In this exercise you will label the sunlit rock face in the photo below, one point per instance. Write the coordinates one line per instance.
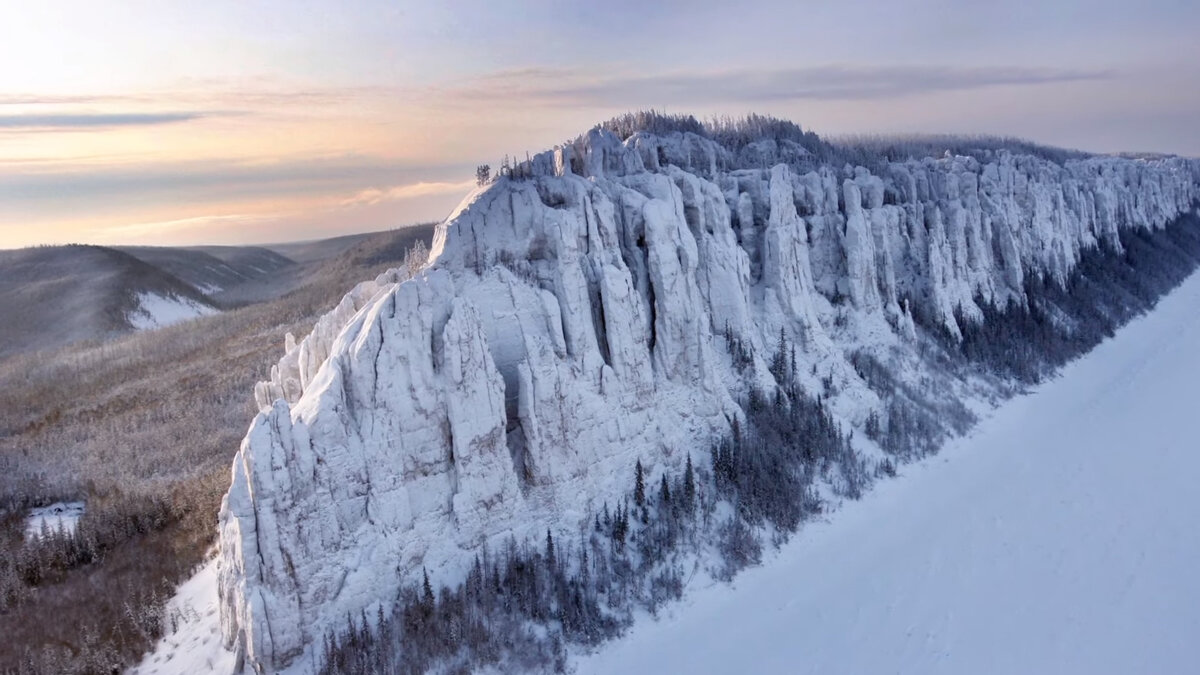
(574, 320)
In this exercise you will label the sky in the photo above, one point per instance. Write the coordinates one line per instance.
(232, 122)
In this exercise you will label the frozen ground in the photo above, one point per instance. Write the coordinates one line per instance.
(1061, 536)
(58, 516)
(157, 311)
(195, 645)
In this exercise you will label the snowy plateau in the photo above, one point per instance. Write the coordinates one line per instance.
(574, 319)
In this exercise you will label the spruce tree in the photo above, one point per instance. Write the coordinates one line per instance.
(639, 486)
(779, 361)
(689, 486)
(428, 590)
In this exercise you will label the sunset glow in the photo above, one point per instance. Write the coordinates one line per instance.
(227, 122)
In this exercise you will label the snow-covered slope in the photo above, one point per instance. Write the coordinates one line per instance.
(574, 321)
(156, 311)
(1058, 537)
(58, 295)
(192, 644)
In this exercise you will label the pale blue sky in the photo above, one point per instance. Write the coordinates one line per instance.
(255, 121)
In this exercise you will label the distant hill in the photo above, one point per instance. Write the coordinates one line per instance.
(372, 248)
(318, 259)
(53, 296)
(59, 295)
(212, 269)
(319, 249)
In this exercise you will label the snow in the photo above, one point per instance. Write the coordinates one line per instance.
(1060, 536)
(195, 646)
(58, 516)
(301, 360)
(156, 311)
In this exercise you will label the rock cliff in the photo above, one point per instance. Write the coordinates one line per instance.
(574, 318)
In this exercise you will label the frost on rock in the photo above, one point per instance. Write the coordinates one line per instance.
(573, 322)
(300, 362)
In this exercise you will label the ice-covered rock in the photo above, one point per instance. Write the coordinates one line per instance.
(572, 322)
(301, 361)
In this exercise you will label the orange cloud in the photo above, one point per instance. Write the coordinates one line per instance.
(372, 196)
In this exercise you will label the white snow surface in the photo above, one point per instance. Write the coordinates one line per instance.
(195, 644)
(573, 322)
(157, 311)
(1059, 537)
(58, 516)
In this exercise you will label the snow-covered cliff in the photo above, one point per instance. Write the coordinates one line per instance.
(574, 320)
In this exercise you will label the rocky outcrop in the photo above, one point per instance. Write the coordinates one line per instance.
(572, 322)
(301, 361)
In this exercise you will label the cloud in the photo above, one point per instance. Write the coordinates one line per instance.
(56, 121)
(574, 87)
(63, 99)
(368, 210)
(240, 94)
(135, 231)
(372, 196)
(216, 180)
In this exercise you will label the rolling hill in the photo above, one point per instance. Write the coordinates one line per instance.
(69, 294)
(65, 294)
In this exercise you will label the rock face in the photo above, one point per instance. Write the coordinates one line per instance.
(575, 320)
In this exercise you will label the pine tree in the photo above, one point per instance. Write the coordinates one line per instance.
(791, 375)
(639, 486)
(551, 562)
(666, 491)
(779, 361)
(427, 595)
(585, 572)
(689, 486)
(620, 526)
(379, 622)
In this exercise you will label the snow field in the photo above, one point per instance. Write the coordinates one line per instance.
(58, 516)
(158, 311)
(195, 644)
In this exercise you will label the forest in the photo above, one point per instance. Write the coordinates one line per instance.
(142, 429)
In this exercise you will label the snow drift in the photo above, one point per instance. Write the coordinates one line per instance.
(573, 319)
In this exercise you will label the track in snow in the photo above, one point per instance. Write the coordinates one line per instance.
(1062, 535)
